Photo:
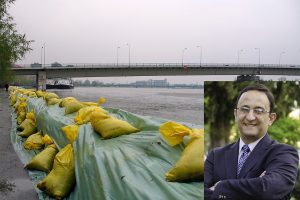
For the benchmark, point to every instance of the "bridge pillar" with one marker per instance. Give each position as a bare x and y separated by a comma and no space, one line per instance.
41,80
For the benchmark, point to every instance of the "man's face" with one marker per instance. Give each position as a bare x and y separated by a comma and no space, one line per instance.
252,123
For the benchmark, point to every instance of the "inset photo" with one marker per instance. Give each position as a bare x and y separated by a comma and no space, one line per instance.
252,134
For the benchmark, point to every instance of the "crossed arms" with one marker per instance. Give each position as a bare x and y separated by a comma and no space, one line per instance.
280,164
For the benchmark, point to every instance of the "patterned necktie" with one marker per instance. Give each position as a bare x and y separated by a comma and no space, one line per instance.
243,158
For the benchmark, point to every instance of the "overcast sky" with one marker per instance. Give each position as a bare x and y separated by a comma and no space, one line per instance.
81,31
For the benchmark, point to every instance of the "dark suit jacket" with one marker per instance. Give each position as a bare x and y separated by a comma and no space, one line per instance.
280,162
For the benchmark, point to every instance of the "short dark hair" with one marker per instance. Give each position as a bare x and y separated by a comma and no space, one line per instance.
260,88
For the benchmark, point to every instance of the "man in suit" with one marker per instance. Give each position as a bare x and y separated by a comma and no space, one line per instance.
255,167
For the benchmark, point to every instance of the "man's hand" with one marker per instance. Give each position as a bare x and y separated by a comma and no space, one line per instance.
213,187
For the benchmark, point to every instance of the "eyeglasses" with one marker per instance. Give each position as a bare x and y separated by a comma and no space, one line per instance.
256,111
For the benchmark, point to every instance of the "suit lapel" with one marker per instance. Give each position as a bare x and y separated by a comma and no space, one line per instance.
256,155
231,157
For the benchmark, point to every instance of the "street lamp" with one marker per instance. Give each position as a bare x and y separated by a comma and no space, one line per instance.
42,55
281,53
258,55
128,53
200,54
238,55
118,55
183,55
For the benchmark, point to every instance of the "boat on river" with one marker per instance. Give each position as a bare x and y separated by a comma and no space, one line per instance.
61,83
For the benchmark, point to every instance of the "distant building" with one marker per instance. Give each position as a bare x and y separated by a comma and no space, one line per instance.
152,83
160,83
141,84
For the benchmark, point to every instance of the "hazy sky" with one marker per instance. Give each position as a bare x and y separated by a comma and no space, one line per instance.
81,31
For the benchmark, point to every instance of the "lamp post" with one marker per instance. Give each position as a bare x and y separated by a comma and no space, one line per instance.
238,55
183,55
258,55
200,54
44,55
128,53
118,55
281,53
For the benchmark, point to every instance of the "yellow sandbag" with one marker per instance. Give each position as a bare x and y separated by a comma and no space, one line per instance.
112,127
30,115
32,94
34,142
97,116
11,88
173,132
40,93
190,166
73,106
47,139
28,127
21,117
71,132
53,101
66,100
44,160
101,100
83,115
50,95
89,103
60,181
13,99
21,107
27,92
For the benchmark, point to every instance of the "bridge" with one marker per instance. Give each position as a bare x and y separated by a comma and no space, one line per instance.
154,69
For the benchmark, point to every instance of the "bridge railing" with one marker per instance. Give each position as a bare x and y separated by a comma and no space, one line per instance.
163,65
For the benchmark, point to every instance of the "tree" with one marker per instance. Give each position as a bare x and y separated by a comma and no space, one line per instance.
13,45
220,100
87,83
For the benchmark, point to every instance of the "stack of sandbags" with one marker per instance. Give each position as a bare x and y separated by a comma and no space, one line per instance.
51,98
190,166
61,179
28,126
73,105
21,109
13,98
84,114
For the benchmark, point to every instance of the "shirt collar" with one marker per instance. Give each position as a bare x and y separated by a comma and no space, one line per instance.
251,145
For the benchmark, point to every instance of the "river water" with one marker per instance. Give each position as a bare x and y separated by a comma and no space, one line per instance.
180,105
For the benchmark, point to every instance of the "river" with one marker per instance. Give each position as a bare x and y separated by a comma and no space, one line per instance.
180,105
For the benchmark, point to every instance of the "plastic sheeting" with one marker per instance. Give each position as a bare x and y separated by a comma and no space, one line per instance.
127,167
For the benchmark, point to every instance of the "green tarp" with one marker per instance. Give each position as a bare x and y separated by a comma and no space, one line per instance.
127,167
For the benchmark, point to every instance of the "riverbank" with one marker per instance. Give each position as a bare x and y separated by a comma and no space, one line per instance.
14,180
